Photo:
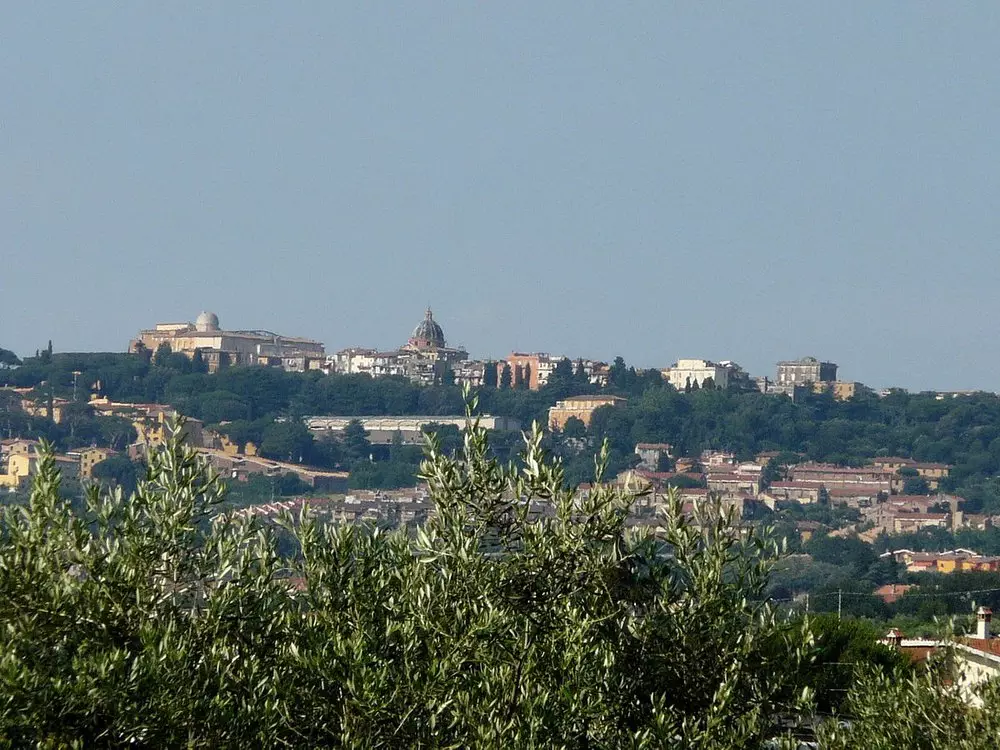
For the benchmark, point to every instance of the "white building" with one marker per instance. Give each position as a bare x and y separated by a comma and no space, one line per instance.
696,372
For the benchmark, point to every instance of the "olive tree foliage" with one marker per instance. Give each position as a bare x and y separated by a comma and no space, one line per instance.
922,709
153,621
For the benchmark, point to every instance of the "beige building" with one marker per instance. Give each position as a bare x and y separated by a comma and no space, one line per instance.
19,470
696,373
383,429
89,458
219,347
41,408
534,369
581,407
842,390
806,370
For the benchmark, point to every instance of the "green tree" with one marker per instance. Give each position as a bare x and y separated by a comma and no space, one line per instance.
618,373
141,623
117,471
198,363
523,381
916,486
162,355
914,709
505,377
355,441
845,648
8,359
574,428
490,379
287,441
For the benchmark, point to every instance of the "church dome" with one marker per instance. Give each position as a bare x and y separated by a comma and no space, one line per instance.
428,333
207,321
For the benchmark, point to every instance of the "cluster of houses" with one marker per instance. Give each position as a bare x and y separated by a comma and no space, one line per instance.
950,561
406,507
19,462
19,458
874,489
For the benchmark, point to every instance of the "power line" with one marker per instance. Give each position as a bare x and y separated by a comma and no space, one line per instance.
840,593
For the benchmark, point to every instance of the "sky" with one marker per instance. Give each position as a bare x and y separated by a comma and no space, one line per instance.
656,180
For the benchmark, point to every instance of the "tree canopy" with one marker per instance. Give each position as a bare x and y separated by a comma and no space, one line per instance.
154,620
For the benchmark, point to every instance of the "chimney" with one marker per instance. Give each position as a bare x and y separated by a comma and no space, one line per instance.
893,638
983,617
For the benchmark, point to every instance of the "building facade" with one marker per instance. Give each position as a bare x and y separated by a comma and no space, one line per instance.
425,358
218,347
806,370
581,407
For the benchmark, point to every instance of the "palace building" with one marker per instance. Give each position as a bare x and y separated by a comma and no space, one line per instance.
219,347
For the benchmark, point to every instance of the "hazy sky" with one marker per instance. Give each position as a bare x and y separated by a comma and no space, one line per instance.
746,181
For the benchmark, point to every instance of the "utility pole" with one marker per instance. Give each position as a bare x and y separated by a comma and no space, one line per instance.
840,601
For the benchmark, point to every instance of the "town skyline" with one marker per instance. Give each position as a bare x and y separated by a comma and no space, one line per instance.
473,353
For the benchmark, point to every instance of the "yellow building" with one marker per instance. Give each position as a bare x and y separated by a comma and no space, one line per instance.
842,390
37,409
218,441
581,407
89,458
20,468
152,431
19,446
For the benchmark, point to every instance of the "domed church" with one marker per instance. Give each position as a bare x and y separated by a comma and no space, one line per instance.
427,334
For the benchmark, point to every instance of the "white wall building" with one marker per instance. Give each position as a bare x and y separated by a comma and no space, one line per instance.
695,372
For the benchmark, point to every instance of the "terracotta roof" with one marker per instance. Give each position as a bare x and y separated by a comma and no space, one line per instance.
986,645
892,591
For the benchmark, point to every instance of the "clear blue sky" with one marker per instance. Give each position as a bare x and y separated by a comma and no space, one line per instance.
656,180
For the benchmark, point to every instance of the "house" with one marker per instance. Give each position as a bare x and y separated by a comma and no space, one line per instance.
733,483
858,497
652,454
807,529
944,562
89,458
892,592
19,470
976,660
801,492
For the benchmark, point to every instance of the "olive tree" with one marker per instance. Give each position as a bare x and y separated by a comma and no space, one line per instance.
523,614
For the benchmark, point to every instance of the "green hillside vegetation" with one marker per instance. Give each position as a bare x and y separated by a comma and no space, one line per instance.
962,431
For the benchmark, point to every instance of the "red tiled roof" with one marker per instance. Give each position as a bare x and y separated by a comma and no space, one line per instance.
986,645
892,591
